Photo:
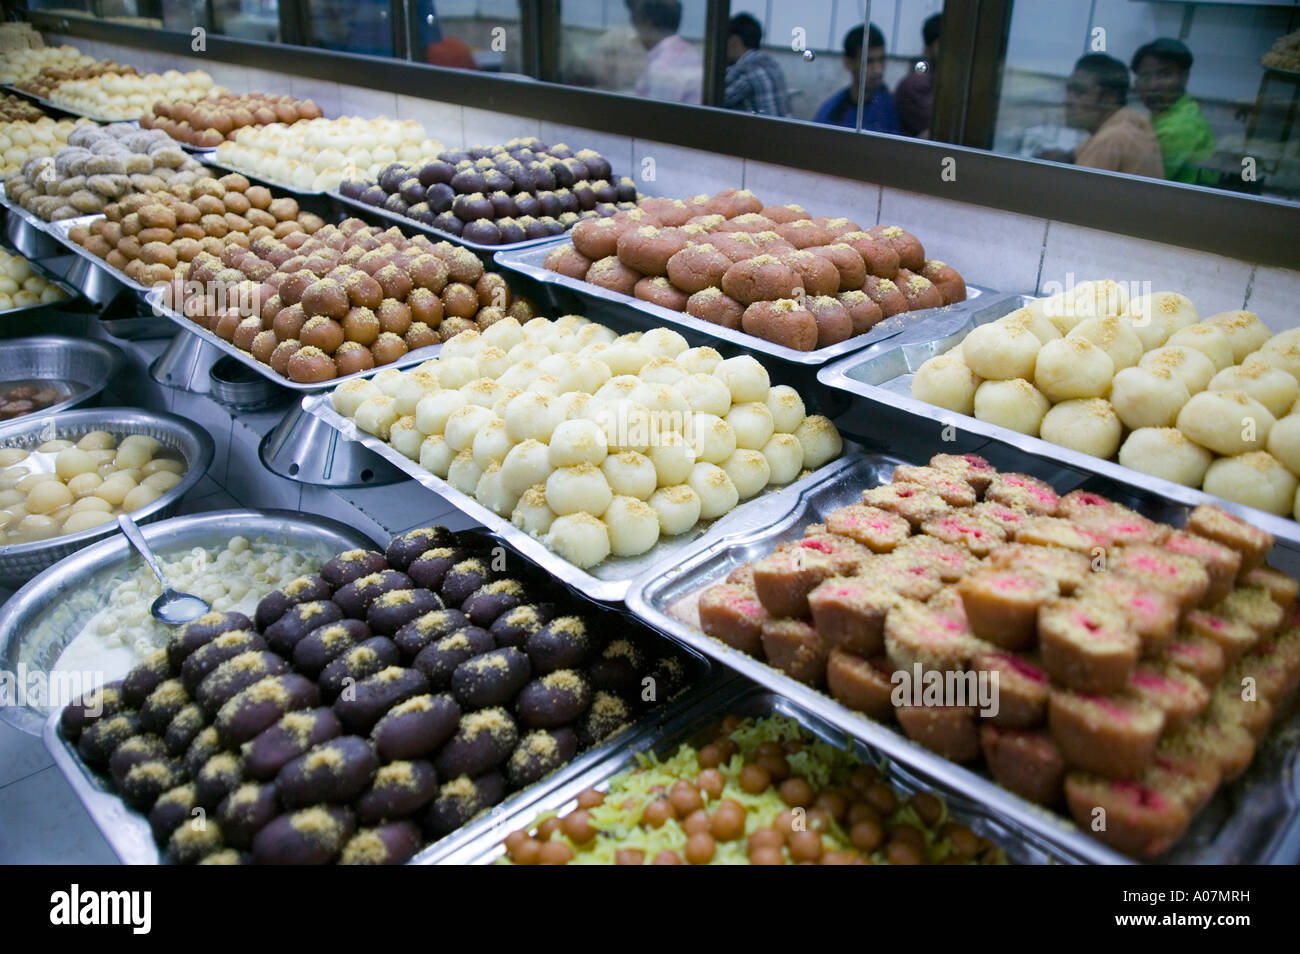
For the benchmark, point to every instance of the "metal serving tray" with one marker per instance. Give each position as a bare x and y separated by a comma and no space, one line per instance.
41,101
885,377
362,210
609,580
59,230
154,298
30,310
27,233
83,361
530,262
1257,820
740,697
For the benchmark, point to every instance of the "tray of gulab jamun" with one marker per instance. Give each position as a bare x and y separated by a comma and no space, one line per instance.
1053,645
1154,410
368,714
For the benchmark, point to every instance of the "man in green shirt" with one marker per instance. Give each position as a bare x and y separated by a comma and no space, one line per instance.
1160,70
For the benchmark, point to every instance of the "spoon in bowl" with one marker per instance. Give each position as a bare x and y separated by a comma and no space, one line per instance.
171,607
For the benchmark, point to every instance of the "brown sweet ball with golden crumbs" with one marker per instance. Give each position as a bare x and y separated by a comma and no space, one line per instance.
885,294
388,348
325,298
493,290
487,317
714,305
737,246
245,332
833,322
762,278
425,306
363,291
804,234
523,310
816,275
647,249
233,180
394,316
911,254
783,214
852,269
733,202
879,257
352,357
863,312
669,212
660,291
612,274
597,238
288,322
945,278
567,260
428,271
323,333
464,266
781,322
837,225
453,326
270,308
459,300
226,324
697,267
394,281
751,222
311,365
237,203
263,346
284,209
361,325
293,287
918,290
419,335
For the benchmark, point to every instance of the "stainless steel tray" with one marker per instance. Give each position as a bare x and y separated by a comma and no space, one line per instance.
607,581
361,210
885,377
20,562
30,310
1264,805
27,233
530,262
154,298
83,361
743,698
210,159
60,230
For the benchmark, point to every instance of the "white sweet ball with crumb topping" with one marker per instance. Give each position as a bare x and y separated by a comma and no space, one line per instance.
1270,386
1191,365
1000,352
1070,368
1255,479
1207,339
678,508
1284,442
580,538
1015,404
947,382
1148,397
1226,422
1116,338
633,526
1086,425
1244,330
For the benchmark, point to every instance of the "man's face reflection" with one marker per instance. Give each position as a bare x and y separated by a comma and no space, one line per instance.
1159,83
875,68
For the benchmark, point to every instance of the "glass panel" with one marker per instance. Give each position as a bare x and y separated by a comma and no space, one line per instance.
469,34
350,26
1188,92
242,19
147,13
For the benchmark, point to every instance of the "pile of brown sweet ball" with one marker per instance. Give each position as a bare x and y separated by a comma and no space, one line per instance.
47,80
211,121
774,272
16,109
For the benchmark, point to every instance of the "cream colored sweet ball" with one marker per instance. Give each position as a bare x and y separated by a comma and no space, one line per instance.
1284,355
999,352
1071,368
376,415
1014,404
1156,316
491,492
709,395
575,442
787,408
580,538
1033,321
436,455
1167,453
1090,299
1148,397
745,378
1087,425
718,495
1192,366
1270,386
1207,339
784,455
1117,339
1227,422
820,440
947,382
531,514
1244,330
579,487
1255,479
678,508
630,474
633,526
1284,442
749,470
713,438
528,463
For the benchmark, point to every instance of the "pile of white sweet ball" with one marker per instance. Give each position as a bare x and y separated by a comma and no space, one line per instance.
20,141
20,287
19,65
593,442
318,154
118,97
1211,403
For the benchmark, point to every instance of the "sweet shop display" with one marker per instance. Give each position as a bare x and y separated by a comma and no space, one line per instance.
595,443
774,272
16,109
497,195
117,96
21,140
365,711
19,37
20,287
209,120
79,68
22,65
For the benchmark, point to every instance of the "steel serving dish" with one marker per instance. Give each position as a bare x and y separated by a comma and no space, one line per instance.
530,262
39,621
609,580
27,233
38,268
85,362
885,377
128,832
1255,820
743,698
154,298
22,561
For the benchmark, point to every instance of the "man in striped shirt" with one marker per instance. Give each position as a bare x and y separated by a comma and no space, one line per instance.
754,81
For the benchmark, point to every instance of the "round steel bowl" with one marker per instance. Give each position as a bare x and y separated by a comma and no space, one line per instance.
39,621
22,561
83,361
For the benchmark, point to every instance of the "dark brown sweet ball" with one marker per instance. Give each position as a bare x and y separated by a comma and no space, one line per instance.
393,609
352,358
919,291
361,325
405,548
315,650
170,810
218,777
144,782
399,789
312,836
334,771
429,271
234,676
416,727
484,231
288,322
482,741
515,626
183,729
619,669
817,275
325,334
388,348
246,811
431,566
488,602
439,659
781,322
161,706
556,699
424,307
562,643
136,749
394,316
947,279
612,274
212,654
205,745
460,799
714,305
490,679
99,703
366,702
355,596
597,238
567,260
372,656
202,631
885,294
258,707
291,736
352,565
460,300
538,754
275,604
391,843
463,579
264,345
298,621
833,322
145,677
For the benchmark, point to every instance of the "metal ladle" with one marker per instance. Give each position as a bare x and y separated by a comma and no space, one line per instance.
171,607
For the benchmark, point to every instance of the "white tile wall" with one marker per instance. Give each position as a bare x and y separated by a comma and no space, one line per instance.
617,149
324,94
367,103
819,194
680,171
442,121
485,127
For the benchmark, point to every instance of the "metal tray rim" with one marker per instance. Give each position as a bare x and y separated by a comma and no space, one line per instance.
114,355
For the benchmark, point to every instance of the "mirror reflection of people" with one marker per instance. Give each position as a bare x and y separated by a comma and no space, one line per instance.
1120,139
674,70
439,48
914,94
878,113
754,82
1160,72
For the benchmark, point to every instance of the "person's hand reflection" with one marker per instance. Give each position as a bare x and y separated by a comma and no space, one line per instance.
1055,155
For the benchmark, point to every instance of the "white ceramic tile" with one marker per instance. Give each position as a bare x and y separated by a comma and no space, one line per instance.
266,81
819,194
327,502
230,75
212,418
322,92
366,103
663,169
397,507
247,479
1273,295
44,823
999,250
442,121
210,504
485,127
1212,282
617,149
21,755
